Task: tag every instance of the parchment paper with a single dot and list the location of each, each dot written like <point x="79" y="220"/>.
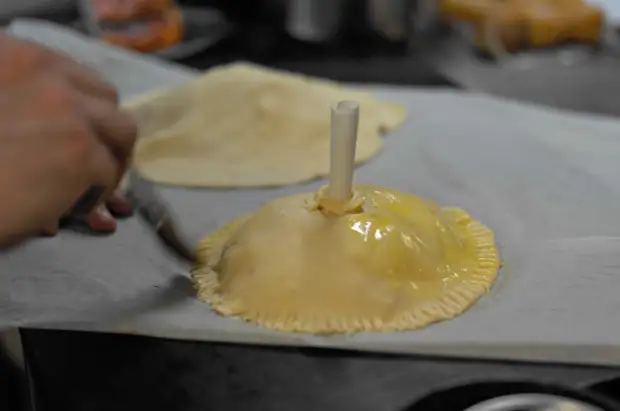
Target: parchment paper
<point x="547" y="183"/>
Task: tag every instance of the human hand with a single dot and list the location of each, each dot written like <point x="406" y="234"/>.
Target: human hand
<point x="61" y="132"/>
<point x="103" y="218"/>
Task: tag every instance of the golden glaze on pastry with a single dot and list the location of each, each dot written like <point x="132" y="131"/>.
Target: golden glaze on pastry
<point x="386" y="261"/>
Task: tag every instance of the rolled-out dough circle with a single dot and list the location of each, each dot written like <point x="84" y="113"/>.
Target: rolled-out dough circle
<point x="242" y="125"/>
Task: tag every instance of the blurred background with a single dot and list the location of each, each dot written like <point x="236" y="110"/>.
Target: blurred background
<point x="562" y="53"/>
<point x="291" y="33"/>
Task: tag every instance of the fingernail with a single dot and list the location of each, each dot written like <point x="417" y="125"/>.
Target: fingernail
<point x="101" y="220"/>
<point x="119" y="205"/>
<point x="104" y="213"/>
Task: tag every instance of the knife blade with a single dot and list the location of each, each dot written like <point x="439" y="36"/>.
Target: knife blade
<point x="153" y="209"/>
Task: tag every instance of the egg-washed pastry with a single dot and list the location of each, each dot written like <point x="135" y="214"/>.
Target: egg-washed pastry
<point x="383" y="261"/>
<point x="243" y="125"/>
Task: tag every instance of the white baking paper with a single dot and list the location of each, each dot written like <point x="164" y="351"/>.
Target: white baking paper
<point x="547" y="183"/>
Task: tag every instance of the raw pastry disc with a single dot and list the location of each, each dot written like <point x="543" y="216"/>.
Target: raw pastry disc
<point x="241" y="125"/>
<point x="392" y="262"/>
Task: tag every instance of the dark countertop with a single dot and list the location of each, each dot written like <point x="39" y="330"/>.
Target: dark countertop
<point x="390" y="66"/>
<point x="81" y="371"/>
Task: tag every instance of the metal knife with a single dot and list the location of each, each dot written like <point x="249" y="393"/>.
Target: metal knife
<point x="153" y="209"/>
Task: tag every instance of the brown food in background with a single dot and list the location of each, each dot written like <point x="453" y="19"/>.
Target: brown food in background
<point x="572" y="21"/>
<point x="520" y="24"/>
<point x="471" y="11"/>
<point x="127" y="9"/>
<point x="158" y="34"/>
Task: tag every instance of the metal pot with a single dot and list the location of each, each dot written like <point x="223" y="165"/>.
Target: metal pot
<point x="390" y="18"/>
<point x="321" y="20"/>
<point x="314" y="20"/>
<point x="514" y="396"/>
<point x="533" y="402"/>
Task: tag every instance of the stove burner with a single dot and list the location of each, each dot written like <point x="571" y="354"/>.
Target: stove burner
<point x="533" y="402"/>
<point x="514" y="396"/>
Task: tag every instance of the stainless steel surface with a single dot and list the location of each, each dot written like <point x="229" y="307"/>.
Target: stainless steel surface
<point x="314" y="20"/>
<point x="533" y="402"/>
<point x="152" y="208"/>
<point x="589" y="85"/>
